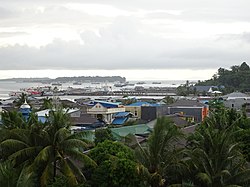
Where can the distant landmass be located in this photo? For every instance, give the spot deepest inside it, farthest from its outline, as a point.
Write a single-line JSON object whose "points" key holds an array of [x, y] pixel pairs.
{"points": [[70, 79]]}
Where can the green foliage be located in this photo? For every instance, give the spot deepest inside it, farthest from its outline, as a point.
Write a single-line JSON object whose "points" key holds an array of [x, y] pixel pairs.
{"points": [[8, 174], [21, 99], [182, 90], [103, 151], [116, 166], [47, 103], [216, 105], [103, 134], [214, 154], [117, 172], [235, 79], [168, 100], [45, 150], [35, 154], [160, 156], [128, 101], [11, 176], [15, 120]]}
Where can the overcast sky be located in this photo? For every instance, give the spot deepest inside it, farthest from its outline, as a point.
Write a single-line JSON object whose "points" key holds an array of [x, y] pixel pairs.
{"points": [[146, 39]]}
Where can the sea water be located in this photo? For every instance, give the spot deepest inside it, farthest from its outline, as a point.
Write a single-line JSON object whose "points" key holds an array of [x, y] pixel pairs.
{"points": [[6, 87]]}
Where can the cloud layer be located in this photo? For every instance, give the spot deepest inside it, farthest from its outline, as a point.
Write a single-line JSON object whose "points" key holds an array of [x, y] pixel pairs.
{"points": [[123, 34]]}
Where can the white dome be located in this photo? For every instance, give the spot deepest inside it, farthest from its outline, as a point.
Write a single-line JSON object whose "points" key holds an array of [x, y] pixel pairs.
{"points": [[25, 105]]}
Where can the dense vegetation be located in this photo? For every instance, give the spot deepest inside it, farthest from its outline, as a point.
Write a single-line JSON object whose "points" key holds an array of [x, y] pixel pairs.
{"points": [[237, 78], [36, 154]]}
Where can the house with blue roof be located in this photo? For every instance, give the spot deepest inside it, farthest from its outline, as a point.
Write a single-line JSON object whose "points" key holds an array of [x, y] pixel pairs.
{"points": [[121, 117], [104, 103], [104, 110], [135, 108]]}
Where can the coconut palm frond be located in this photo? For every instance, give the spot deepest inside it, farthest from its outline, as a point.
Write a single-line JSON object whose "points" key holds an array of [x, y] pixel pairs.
{"points": [[79, 156], [26, 178], [47, 175], [70, 143], [67, 172], [76, 170]]}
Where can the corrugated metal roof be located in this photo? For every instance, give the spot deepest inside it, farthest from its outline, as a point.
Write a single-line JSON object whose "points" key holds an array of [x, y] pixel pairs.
{"points": [[236, 95], [121, 114], [119, 121], [134, 129], [46, 111], [107, 104], [140, 104]]}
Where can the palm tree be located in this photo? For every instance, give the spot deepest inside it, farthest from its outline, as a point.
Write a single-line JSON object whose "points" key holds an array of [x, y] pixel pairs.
{"points": [[15, 120], [47, 150], [47, 103], [215, 160], [12, 119], [161, 156], [21, 99], [10, 176]]}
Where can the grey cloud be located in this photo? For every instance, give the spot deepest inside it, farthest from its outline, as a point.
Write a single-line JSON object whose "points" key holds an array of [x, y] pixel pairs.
{"points": [[122, 45], [109, 51]]}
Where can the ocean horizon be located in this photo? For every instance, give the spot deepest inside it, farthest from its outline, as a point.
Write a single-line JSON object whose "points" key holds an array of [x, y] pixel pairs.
{"points": [[6, 87]]}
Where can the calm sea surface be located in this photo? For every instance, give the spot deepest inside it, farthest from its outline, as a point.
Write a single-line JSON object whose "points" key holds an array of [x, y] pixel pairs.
{"points": [[7, 87]]}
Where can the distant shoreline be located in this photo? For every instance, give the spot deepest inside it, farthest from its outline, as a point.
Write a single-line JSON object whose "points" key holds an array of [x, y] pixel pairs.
{"points": [[70, 79]]}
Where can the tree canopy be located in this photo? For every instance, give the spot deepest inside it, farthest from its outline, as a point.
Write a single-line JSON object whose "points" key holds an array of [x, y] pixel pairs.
{"points": [[237, 78]]}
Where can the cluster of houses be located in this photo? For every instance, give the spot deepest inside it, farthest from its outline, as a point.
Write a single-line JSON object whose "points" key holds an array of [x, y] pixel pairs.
{"points": [[137, 118]]}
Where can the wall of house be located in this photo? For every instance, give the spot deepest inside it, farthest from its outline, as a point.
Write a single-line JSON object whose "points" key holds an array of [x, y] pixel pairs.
{"points": [[149, 113], [162, 110], [235, 103], [135, 110], [196, 112], [205, 112]]}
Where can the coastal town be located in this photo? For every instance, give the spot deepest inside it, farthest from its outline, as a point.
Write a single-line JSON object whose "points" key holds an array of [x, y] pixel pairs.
{"points": [[133, 115], [135, 93], [128, 103]]}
